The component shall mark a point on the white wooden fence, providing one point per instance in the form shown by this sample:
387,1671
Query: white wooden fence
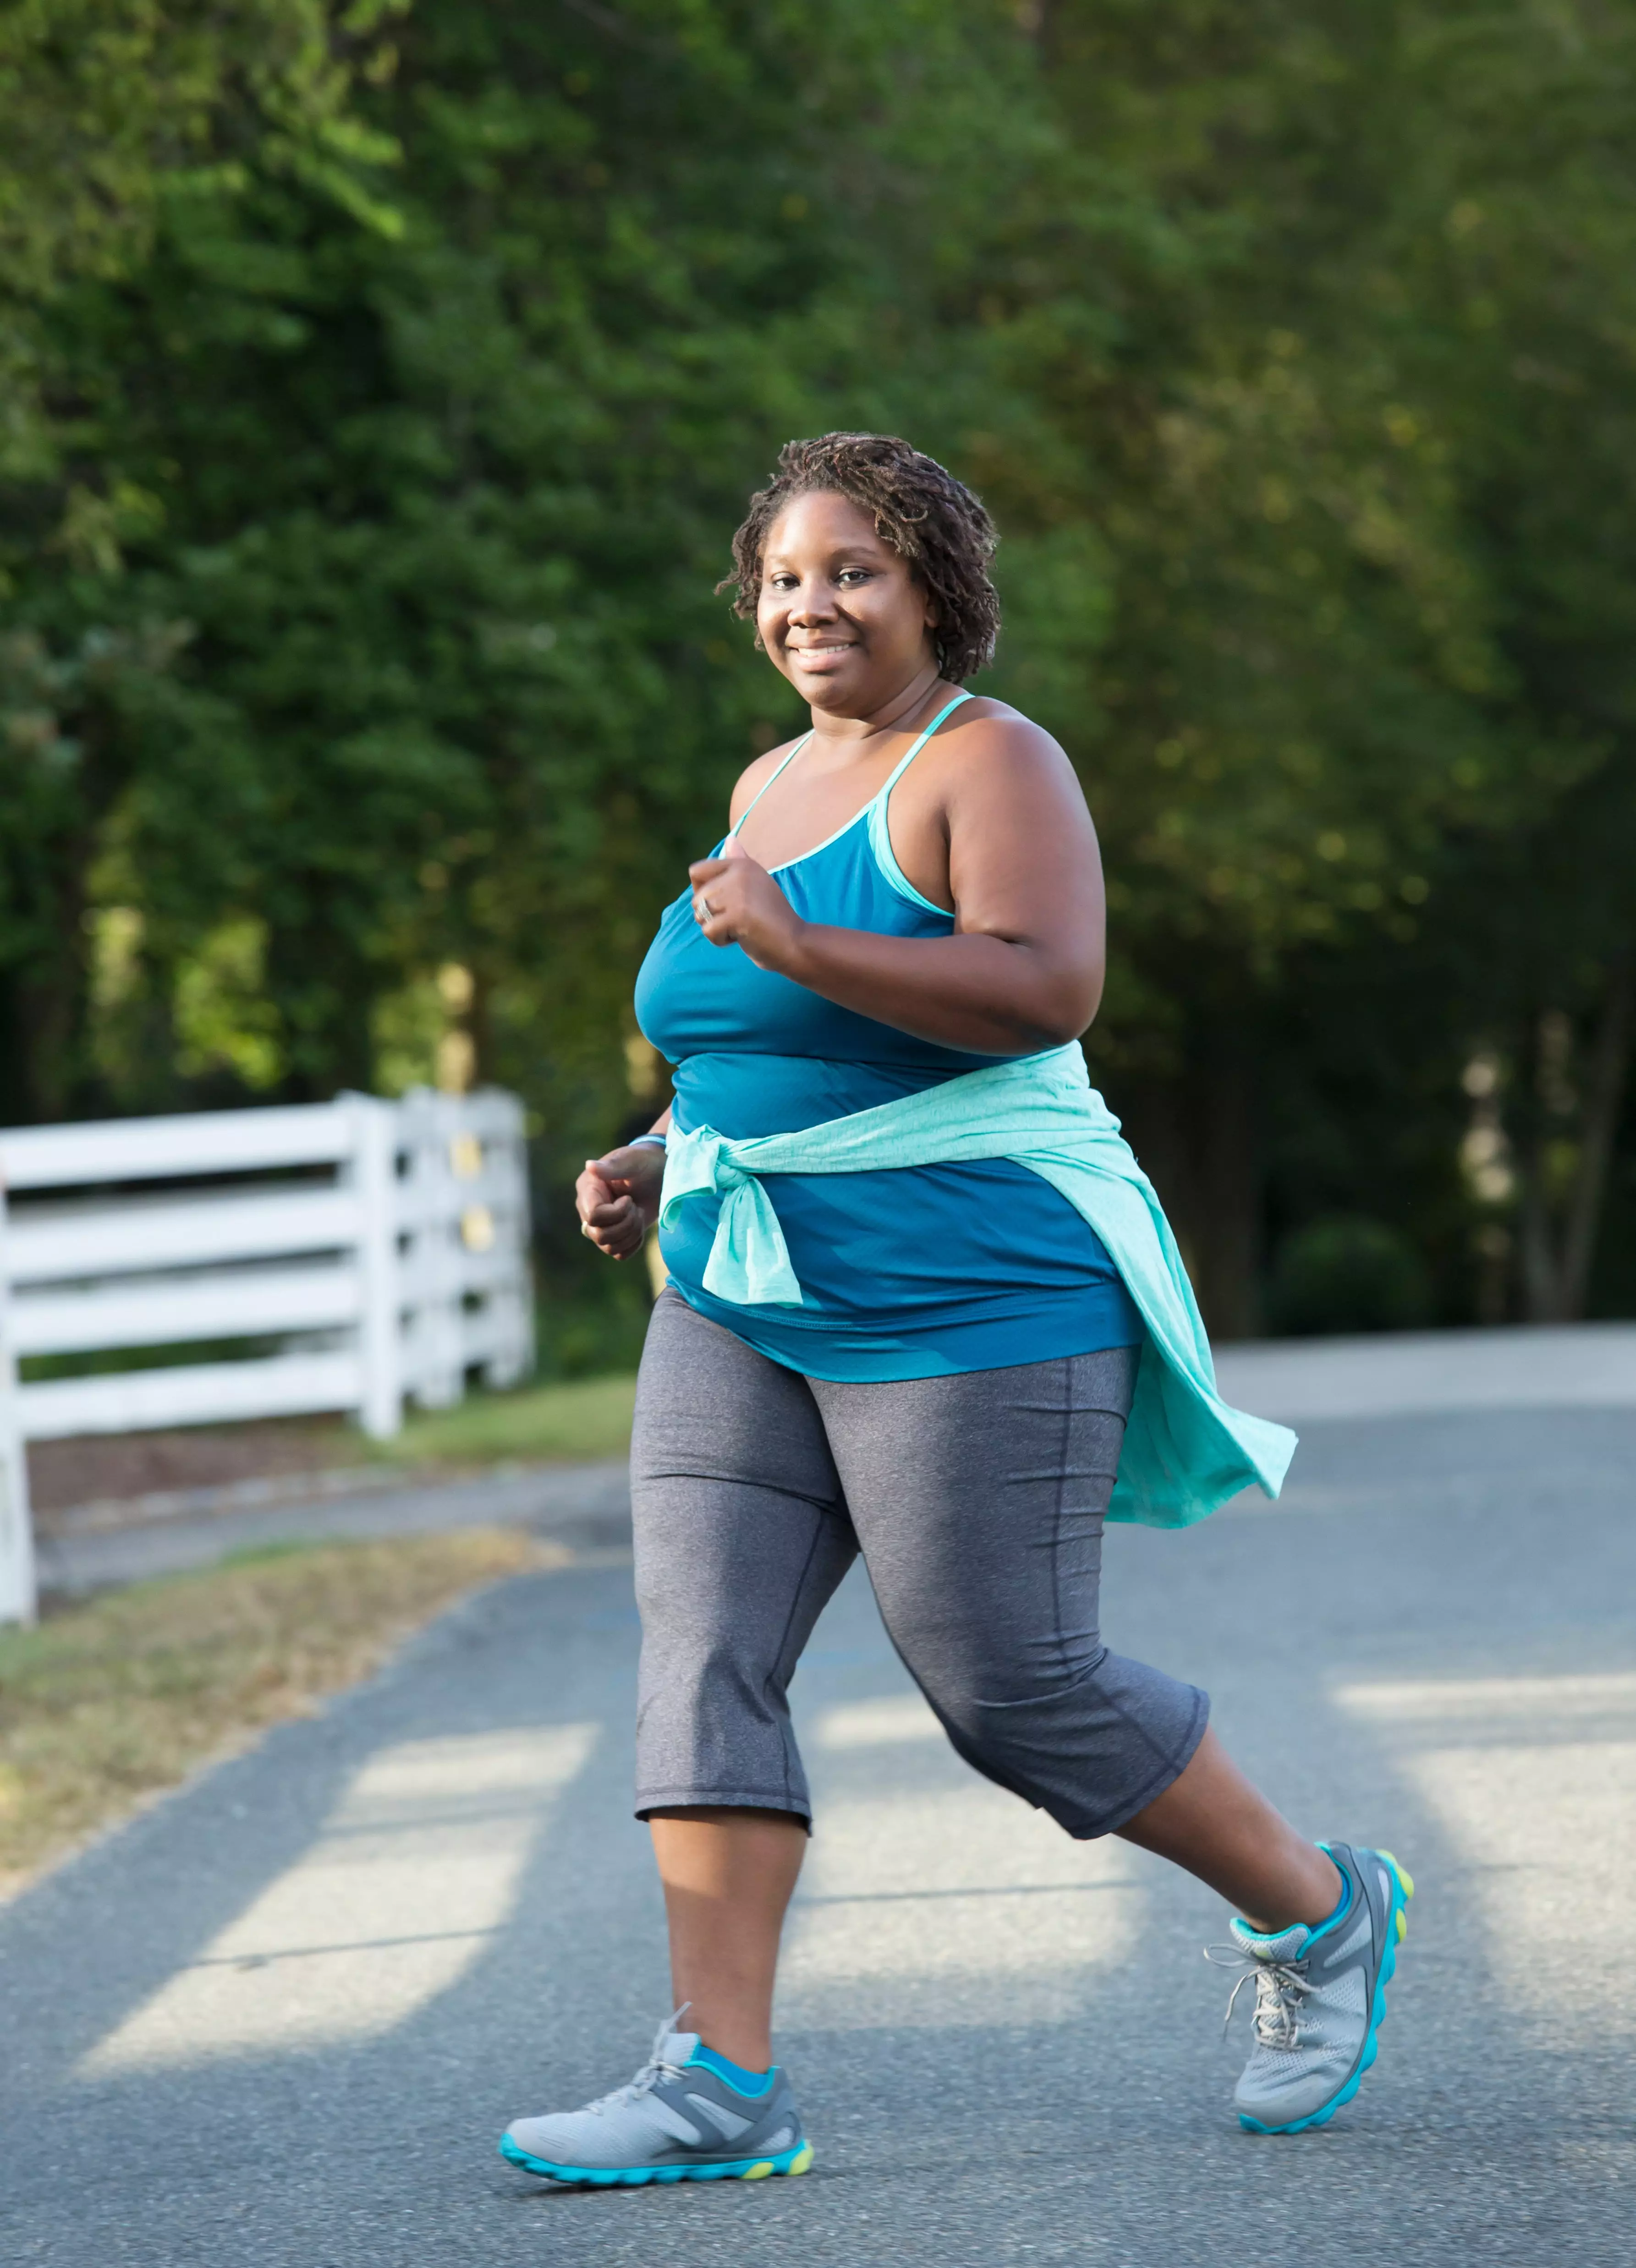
364,1250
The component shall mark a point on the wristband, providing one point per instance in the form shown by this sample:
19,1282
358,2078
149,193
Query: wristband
645,1142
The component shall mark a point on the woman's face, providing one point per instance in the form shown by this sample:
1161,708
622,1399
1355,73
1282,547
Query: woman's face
838,610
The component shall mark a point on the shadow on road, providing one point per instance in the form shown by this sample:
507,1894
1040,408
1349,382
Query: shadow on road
281,2019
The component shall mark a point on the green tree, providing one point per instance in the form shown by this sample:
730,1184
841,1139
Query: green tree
388,423
1358,458
116,124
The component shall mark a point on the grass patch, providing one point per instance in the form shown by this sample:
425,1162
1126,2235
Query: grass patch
109,1702
570,1419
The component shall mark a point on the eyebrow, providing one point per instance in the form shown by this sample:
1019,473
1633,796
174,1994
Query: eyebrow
863,549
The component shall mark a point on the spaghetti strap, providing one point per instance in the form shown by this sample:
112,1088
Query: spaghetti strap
879,825
876,803
947,710
782,765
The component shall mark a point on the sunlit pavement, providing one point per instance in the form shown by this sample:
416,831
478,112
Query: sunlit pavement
283,2018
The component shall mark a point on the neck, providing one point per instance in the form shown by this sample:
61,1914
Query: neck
893,711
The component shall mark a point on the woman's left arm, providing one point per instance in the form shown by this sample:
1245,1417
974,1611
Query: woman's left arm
1024,968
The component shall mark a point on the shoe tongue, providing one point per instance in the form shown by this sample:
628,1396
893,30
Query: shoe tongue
677,2047
1282,1945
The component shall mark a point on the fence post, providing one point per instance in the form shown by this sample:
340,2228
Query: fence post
434,1290
513,1301
373,1174
18,1599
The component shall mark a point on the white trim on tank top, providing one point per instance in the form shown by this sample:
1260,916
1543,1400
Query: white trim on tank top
893,873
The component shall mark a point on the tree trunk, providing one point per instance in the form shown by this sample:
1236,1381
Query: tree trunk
1603,1095
1558,1256
1199,1142
45,1010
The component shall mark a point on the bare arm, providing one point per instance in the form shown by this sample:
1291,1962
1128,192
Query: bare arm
1024,968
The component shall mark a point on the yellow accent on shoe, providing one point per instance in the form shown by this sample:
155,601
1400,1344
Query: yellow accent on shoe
763,2167
1402,1925
1402,1872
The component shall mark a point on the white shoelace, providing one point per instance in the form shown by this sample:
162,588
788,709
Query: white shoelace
652,2071
1281,1987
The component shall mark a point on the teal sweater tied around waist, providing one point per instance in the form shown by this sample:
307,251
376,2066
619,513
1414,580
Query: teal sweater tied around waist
1185,1451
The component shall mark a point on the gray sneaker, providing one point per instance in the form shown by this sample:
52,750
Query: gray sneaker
679,2120
1320,1998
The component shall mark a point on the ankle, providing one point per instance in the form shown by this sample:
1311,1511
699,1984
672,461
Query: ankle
1320,1896
747,2079
745,2045
1334,1895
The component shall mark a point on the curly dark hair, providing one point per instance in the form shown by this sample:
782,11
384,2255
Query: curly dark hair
928,517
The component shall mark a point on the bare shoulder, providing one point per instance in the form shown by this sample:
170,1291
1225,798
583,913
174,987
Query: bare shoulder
754,776
988,749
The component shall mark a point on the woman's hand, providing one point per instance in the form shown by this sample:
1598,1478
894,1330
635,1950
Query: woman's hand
735,901
617,1198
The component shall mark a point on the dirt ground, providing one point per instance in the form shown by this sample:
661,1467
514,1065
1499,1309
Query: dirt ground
111,1700
98,1467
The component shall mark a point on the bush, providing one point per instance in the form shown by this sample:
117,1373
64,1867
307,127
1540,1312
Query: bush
1348,1273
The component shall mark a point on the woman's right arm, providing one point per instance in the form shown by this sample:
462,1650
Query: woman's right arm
617,1196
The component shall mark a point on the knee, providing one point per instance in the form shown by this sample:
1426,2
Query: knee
1092,1750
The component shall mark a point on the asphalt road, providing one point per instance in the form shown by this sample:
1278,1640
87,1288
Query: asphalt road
281,2019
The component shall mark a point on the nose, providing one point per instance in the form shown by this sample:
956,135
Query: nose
814,602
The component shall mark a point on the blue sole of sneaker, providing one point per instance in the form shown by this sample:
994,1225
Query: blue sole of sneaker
1396,1930
609,2177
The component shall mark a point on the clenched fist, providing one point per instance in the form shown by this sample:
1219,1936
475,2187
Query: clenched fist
617,1198
735,901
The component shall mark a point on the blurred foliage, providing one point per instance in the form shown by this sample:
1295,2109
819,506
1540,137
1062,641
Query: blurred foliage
380,387
1348,1273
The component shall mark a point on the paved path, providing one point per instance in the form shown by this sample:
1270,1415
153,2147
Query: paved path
1408,1373
278,2022
583,1505
1403,1373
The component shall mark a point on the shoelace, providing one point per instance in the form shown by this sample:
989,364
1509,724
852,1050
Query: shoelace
652,2071
1281,1987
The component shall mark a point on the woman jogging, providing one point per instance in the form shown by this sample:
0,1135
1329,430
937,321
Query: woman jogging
923,1305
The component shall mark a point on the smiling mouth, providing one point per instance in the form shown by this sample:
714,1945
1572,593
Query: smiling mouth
819,652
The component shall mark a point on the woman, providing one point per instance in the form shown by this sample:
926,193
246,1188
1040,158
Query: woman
909,1338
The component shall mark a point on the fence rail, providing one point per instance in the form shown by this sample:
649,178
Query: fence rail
360,1251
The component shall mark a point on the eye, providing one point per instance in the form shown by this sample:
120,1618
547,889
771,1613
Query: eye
853,575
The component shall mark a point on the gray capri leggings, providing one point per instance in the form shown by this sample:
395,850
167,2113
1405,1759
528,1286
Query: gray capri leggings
978,1501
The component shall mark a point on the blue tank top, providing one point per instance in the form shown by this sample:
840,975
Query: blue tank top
904,1274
